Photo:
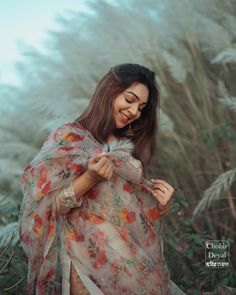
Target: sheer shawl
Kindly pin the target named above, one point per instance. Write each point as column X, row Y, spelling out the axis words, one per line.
column 115, row 235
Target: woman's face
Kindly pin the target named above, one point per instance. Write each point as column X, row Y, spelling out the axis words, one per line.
column 129, row 104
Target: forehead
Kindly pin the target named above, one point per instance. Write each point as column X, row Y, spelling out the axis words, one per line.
column 140, row 90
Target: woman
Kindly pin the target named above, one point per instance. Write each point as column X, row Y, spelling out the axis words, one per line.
column 89, row 219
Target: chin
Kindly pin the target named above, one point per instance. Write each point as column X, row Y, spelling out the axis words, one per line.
column 121, row 125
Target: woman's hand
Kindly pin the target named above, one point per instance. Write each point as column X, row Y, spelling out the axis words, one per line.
column 100, row 168
column 162, row 191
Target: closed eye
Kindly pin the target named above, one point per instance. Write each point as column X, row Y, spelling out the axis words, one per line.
column 129, row 101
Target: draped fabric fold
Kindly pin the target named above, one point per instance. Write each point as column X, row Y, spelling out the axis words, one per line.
column 115, row 236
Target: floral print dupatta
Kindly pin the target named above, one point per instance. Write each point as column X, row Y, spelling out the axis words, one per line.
column 114, row 236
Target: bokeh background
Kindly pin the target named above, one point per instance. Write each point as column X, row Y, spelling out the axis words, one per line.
column 52, row 55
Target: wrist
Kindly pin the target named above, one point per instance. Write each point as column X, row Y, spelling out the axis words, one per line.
column 89, row 177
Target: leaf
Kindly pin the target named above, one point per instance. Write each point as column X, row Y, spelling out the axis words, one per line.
column 7, row 231
column 176, row 68
column 229, row 101
column 226, row 56
column 211, row 35
column 166, row 124
column 213, row 193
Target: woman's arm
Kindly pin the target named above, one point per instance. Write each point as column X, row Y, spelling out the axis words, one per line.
column 80, row 186
column 99, row 169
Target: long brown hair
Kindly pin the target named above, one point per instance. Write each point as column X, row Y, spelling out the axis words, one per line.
column 98, row 116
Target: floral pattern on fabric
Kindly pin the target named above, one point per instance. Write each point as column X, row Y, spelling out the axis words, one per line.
column 115, row 236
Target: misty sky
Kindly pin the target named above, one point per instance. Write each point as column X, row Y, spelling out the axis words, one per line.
column 27, row 21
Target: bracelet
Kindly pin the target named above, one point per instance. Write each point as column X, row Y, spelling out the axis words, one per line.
column 68, row 198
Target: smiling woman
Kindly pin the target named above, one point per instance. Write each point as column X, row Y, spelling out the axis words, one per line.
column 86, row 189
column 129, row 104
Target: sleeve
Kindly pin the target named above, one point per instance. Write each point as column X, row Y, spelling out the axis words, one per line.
column 128, row 168
column 66, row 200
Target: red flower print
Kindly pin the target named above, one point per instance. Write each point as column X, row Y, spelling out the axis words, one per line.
column 74, row 236
column 127, row 271
column 46, row 188
column 133, row 250
column 25, row 175
column 47, row 214
column 25, row 238
column 124, row 233
column 98, row 150
column 114, row 267
column 42, row 177
column 145, row 189
column 127, row 187
column 23, row 180
column 85, row 201
column 67, row 125
column 51, row 227
column 80, row 126
column 38, row 225
column 101, row 259
column 95, row 219
column 92, row 194
column 83, row 214
column 44, row 281
column 153, row 214
column 77, row 168
column 51, row 213
column 126, row 216
column 72, row 137
column 38, row 220
column 151, row 235
column 68, row 148
column 116, row 163
column 50, row 274
column 100, row 239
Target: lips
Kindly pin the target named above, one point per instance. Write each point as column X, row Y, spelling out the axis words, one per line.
column 125, row 118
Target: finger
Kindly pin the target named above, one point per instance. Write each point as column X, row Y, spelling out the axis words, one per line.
column 161, row 197
column 158, row 197
column 163, row 182
column 103, row 161
column 109, row 172
column 107, row 167
column 163, row 188
column 102, row 171
column 96, row 158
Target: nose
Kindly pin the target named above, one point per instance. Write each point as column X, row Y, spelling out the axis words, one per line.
column 133, row 110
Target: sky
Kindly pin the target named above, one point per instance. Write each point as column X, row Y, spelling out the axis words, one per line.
column 27, row 21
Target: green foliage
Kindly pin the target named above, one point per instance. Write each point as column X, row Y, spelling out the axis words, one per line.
column 13, row 266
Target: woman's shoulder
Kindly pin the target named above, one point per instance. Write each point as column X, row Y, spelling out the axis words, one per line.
column 66, row 133
column 70, row 128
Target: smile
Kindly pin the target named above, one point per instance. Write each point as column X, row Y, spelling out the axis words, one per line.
column 125, row 117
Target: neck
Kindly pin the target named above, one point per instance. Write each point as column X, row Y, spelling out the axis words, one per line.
column 111, row 137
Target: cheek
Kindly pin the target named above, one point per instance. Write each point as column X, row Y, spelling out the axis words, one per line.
column 118, row 104
column 138, row 115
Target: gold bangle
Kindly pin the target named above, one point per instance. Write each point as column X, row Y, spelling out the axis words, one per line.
column 68, row 198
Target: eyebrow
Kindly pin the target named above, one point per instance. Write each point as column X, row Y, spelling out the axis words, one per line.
column 135, row 96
